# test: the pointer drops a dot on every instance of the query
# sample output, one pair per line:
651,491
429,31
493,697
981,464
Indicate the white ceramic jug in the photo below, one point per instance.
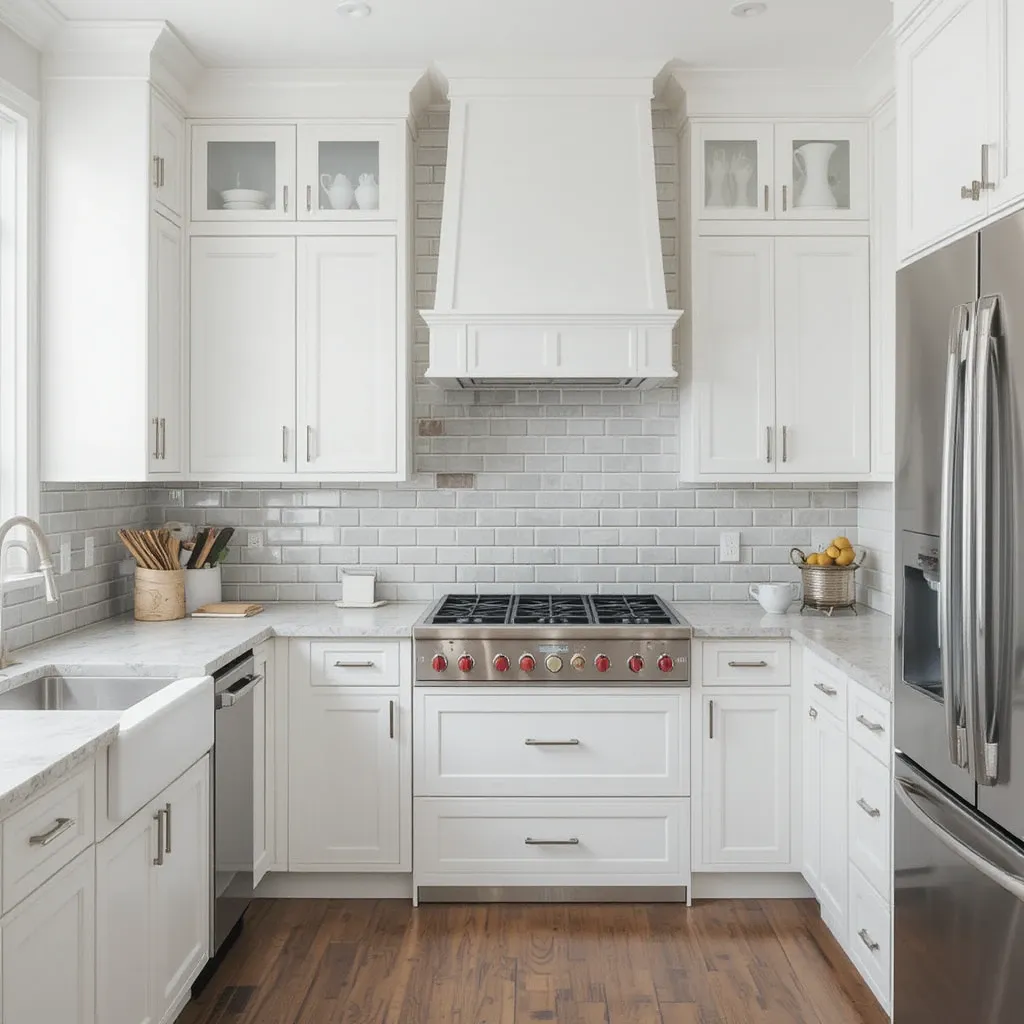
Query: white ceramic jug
339,191
774,598
812,158
367,195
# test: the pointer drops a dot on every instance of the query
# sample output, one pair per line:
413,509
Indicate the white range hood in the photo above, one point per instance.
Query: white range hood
550,268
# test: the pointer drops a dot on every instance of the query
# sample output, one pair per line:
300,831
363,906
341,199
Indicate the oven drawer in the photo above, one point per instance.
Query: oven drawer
543,744
354,663
552,842
745,663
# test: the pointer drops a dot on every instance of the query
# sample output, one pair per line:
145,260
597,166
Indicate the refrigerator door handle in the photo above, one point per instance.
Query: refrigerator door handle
950,553
962,833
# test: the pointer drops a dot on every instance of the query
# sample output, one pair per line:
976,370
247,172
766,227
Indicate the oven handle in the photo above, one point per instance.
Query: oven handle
238,691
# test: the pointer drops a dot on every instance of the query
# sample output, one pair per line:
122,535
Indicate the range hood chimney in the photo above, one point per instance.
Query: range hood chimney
550,268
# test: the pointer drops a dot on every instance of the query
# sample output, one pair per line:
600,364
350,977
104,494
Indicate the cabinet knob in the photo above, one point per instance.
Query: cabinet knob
812,712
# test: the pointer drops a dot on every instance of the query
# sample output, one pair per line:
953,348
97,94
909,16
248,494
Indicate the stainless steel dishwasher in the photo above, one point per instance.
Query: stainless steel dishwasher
233,845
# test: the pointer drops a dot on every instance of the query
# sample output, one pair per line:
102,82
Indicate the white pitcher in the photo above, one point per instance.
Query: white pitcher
812,158
774,598
339,191
367,195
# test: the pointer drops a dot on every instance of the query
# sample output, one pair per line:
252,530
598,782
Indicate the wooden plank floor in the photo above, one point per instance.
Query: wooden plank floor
382,962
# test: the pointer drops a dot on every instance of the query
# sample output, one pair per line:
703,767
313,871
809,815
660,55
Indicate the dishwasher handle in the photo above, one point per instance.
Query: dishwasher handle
238,691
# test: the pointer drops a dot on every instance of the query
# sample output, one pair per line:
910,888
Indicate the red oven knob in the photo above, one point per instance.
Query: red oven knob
440,663
665,663
602,663
465,663
636,663
501,663
527,663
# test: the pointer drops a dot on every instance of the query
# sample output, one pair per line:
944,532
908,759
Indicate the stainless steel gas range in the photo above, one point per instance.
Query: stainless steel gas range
551,639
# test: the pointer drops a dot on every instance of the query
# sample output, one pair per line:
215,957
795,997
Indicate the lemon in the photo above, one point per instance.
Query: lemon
825,559
832,551
812,559
845,557
843,543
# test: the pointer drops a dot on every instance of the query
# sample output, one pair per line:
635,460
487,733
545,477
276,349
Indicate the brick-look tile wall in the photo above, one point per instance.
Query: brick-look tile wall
876,580
525,488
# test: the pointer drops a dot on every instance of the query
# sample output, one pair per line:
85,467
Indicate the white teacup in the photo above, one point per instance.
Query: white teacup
774,598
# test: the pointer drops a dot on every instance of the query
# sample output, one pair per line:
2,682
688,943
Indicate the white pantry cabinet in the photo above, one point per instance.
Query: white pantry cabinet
780,384
167,165
166,357
47,950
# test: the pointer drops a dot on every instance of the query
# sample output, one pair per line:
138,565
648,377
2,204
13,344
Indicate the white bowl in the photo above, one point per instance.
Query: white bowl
244,195
245,206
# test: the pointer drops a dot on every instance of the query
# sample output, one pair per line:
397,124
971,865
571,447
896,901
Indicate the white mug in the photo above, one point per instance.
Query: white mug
774,598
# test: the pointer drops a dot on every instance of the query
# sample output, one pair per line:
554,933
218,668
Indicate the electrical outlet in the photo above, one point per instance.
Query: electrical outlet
65,555
255,539
176,497
729,546
90,552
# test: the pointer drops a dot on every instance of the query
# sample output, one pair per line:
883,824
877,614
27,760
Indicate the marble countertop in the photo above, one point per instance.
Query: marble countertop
38,747
859,645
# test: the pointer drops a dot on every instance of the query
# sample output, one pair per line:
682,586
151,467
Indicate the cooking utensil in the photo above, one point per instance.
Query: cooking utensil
218,546
193,562
207,547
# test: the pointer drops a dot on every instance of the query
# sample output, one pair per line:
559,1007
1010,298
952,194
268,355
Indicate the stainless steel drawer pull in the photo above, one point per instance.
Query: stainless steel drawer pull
156,172
163,438
768,445
353,664
159,858
785,198
868,724
309,198
871,812
167,829
711,719
573,841
284,444
284,193
748,664
829,691
785,443
45,838
391,719
868,941
156,437
552,743
766,199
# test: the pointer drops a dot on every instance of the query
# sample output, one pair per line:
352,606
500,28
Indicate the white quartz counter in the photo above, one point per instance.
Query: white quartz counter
859,645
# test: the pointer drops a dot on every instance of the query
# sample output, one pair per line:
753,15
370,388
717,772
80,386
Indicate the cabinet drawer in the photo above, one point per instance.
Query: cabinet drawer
869,722
40,838
870,941
352,663
740,663
549,745
540,842
825,685
870,788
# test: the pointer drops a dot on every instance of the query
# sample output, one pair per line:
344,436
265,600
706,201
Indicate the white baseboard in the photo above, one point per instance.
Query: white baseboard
750,886
336,886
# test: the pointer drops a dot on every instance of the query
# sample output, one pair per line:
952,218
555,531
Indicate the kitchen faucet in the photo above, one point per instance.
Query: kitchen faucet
45,567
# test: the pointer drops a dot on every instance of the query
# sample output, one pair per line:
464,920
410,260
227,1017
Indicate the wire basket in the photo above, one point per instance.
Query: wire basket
826,587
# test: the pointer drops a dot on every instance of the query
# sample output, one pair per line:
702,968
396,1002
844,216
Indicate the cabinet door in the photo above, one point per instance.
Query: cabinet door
347,356
48,947
734,354
182,893
1006,71
125,922
747,779
732,172
261,840
822,355
243,355
821,171
343,780
832,874
810,792
349,172
943,97
167,139
243,172
166,369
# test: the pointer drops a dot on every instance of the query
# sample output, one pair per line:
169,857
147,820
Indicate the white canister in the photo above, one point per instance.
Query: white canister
202,586
358,587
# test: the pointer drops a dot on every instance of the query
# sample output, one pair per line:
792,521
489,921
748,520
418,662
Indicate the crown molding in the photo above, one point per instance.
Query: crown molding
36,21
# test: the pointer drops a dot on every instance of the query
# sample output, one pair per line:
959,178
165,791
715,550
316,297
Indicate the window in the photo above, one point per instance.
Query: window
19,486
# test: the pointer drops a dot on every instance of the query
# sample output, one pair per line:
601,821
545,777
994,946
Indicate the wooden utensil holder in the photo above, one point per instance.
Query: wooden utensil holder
159,594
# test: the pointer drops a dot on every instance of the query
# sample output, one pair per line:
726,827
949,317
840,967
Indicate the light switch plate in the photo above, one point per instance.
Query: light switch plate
90,551
729,546
65,555
255,539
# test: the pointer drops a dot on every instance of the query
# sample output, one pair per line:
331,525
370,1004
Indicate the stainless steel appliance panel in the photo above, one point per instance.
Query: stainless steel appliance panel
959,919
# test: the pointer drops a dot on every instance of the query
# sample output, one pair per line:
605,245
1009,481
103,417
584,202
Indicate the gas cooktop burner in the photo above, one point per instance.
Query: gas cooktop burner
473,609
642,610
551,610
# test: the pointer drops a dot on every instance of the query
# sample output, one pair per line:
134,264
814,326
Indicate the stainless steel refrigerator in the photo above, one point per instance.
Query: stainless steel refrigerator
959,697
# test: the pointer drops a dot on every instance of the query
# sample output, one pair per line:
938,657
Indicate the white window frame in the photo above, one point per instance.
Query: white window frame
19,318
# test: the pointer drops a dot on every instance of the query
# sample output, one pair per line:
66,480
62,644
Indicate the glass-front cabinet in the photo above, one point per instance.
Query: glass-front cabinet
733,172
348,172
243,172
792,170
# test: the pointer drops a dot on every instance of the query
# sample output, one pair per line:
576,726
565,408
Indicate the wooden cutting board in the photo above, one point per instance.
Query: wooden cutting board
227,610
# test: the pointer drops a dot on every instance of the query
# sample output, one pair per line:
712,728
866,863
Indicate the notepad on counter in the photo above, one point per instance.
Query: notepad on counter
227,610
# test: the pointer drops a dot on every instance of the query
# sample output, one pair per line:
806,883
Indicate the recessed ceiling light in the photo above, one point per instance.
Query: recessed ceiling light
354,9
749,8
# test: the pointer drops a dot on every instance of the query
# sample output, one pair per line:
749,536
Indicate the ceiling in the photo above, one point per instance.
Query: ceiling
414,33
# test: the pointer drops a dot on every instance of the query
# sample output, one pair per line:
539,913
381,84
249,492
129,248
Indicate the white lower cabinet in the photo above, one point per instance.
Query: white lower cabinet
153,904
262,838
747,779
47,949
869,942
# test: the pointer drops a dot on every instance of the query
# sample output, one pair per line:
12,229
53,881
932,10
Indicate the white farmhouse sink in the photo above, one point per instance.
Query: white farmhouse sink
165,727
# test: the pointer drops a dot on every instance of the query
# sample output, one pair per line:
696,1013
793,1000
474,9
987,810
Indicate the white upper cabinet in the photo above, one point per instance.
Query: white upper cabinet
733,173
243,172
243,355
1006,165
822,355
348,381
734,354
166,355
167,141
821,171
348,172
